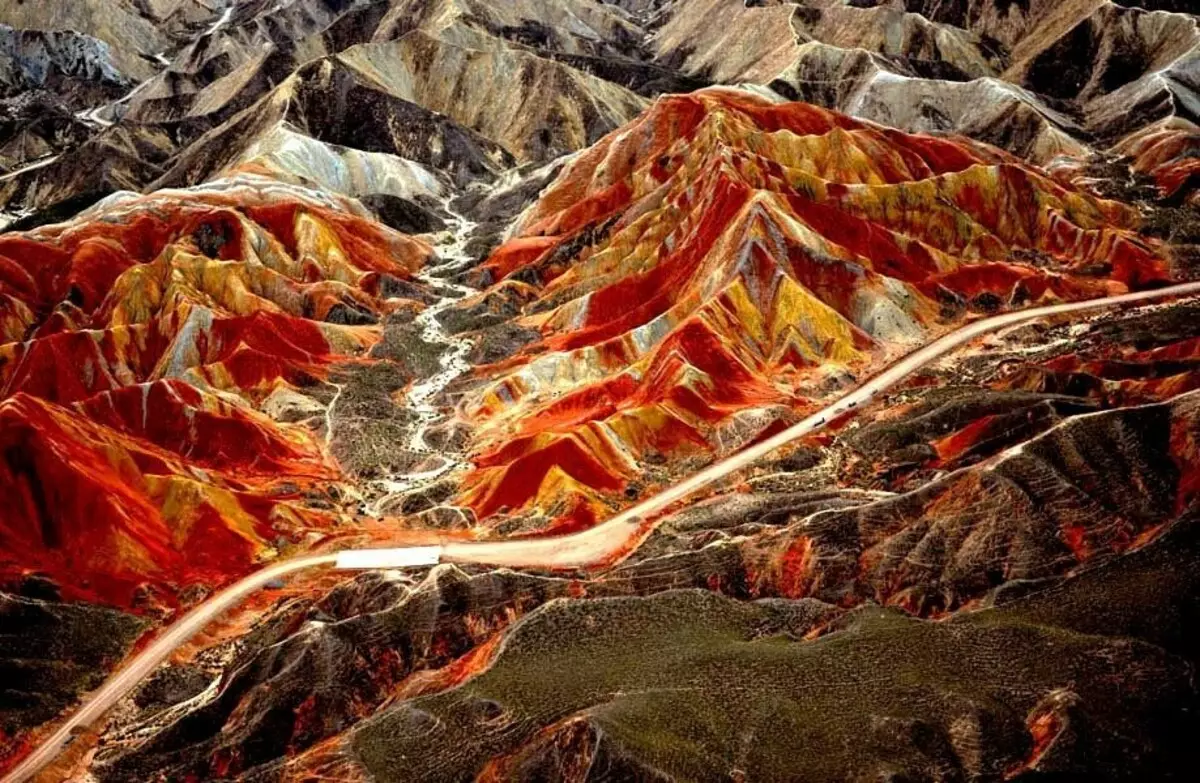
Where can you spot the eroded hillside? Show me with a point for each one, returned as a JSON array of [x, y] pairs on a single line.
[[289, 278]]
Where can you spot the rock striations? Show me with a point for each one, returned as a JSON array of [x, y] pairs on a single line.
[[134, 337], [287, 277], [725, 255]]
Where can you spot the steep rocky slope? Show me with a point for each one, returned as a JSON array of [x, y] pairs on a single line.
[[431, 67], [134, 336], [1065, 73], [786, 572], [725, 261], [985, 70], [77, 67], [127, 26], [289, 276]]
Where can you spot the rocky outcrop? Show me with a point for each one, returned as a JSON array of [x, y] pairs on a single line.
[[131, 34], [400, 79], [768, 247], [77, 67], [867, 85], [53, 651], [990, 70], [138, 341]]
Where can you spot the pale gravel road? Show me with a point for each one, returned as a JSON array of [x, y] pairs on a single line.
[[600, 545]]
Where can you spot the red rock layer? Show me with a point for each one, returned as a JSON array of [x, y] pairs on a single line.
[[136, 341], [702, 271], [1040, 509], [1120, 375], [1111, 372], [1171, 156]]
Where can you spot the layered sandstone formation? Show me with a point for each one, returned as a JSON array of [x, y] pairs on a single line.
[[139, 340], [712, 269], [289, 276], [1039, 78]]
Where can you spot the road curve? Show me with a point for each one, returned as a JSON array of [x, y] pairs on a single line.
[[604, 543], [127, 678]]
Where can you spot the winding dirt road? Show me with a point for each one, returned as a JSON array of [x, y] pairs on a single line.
[[124, 681], [604, 543]]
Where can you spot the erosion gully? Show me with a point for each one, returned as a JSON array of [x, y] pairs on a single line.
[[423, 398]]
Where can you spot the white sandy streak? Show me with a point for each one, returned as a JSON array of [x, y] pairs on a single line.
[[422, 397]]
